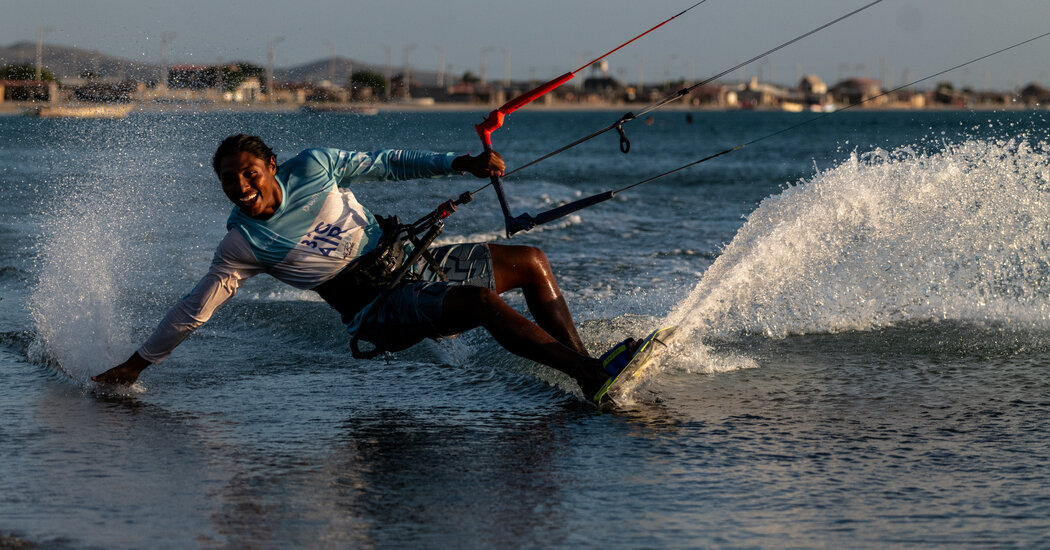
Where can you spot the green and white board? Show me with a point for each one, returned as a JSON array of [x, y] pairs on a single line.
[[653, 347]]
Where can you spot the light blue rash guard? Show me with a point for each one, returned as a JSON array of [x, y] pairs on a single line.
[[316, 231]]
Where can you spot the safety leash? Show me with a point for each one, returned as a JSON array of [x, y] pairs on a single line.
[[429, 226]]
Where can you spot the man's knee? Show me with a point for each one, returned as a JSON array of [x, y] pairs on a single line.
[[537, 260], [521, 266], [538, 277]]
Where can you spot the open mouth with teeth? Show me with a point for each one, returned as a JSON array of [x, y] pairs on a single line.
[[249, 199]]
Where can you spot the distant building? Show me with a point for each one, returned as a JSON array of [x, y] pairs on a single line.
[[811, 84], [757, 94], [812, 93], [599, 86], [291, 92], [910, 99], [326, 92], [605, 86], [28, 90], [992, 98], [1034, 94], [713, 95], [191, 77], [946, 95], [248, 91], [858, 90]]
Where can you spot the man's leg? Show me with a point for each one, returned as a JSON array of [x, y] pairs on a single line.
[[467, 307], [527, 268]]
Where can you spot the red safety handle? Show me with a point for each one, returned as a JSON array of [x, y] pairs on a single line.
[[495, 119], [445, 209]]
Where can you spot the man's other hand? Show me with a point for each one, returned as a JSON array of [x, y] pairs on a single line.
[[486, 165]]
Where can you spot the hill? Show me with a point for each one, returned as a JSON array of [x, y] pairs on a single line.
[[67, 62]]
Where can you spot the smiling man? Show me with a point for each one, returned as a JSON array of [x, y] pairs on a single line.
[[249, 182], [300, 223]]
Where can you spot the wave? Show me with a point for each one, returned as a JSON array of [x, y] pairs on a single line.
[[959, 233]]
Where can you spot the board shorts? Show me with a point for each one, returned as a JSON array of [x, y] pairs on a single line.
[[412, 312]]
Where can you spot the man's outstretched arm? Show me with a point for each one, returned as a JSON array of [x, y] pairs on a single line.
[[352, 167], [231, 265]]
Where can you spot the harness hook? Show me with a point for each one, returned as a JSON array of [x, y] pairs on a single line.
[[625, 144]]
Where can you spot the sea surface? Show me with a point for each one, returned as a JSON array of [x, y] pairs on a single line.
[[866, 363]]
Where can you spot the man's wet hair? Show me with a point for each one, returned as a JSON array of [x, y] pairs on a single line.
[[238, 143]]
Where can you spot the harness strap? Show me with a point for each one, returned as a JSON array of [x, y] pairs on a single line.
[[371, 277], [366, 277], [419, 252]]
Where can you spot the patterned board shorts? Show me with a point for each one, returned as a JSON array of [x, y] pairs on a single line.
[[412, 312]]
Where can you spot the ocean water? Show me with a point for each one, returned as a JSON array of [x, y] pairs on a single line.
[[865, 302]]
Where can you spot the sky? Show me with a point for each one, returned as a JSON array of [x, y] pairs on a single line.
[[895, 41]]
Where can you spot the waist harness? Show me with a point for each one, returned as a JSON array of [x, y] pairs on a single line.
[[385, 267], [374, 275]]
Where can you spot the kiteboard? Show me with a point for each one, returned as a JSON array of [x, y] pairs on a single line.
[[648, 355]]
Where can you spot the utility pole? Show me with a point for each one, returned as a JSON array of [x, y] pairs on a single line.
[[441, 67], [331, 61], [406, 71], [350, 76], [482, 75], [667, 68], [386, 90], [269, 68], [641, 73], [40, 51], [219, 82], [164, 39], [506, 67]]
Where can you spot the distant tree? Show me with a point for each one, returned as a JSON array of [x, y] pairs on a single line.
[[250, 70], [469, 78], [233, 75], [946, 86], [368, 79], [89, 74], [23, 72]]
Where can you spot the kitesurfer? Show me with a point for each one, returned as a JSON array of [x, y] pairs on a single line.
[[300, 223]]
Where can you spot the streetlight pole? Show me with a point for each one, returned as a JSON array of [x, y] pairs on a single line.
[[40, 51], [220, 83], [331, 61], [407, 71], [164, 70], [441, 67], [641, 73], [269, 68], [667, 68], [506, 67], [386, 89], [484, 50]]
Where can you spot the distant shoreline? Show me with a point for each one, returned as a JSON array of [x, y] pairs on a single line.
[[27, 108]]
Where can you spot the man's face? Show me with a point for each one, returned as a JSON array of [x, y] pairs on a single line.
[[249, 183]]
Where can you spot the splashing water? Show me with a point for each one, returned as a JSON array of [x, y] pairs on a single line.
[[116, 196], [73, 305], [889, 237]]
